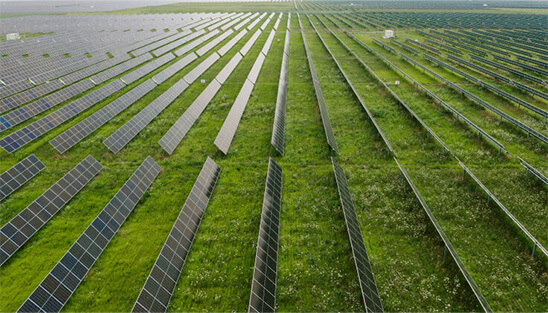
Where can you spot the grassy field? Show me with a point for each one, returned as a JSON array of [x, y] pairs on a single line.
[[316, 272]]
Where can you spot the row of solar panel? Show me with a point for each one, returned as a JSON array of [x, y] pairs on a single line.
[[368, 286], [326, 121], [278, 128], [55, 290], [263, 285], [24, 225], [160, 283], [147, 68], [195, 43]]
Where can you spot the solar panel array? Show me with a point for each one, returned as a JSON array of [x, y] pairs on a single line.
[[278, 129], [326, 121], [24, 225], [161, 281], [263, 286], [55, 290], [19, 174], [368, 286], [129, 130], [25, 135], [228, 130], [76, 133], [32, 109]]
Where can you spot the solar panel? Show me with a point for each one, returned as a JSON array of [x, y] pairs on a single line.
[[203, 50], [370, 294], [19, 174], [76, 133], [177, 132], [174, 68], [129, 130], [224, 49], [161, 281], [254, 72], [229, 68], [201, 68], [245, 49], [145, 69], [16, 232], [55, 290], [278, 129], [263, 286], [326, 121], [27, 134], [228, 130], [268, 43]]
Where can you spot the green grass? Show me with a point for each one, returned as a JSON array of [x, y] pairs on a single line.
[[315, 267]]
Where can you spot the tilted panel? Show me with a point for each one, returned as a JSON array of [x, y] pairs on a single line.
[[177, 132], [201, 68], [263, 286], [278, 129], [161, 281], [174, 68], [55, 290], [228, 130], [24, 225], [19, 174], [326, 121], [370, 294]]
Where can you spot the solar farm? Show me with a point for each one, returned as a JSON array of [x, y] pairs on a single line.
[[262, 156]]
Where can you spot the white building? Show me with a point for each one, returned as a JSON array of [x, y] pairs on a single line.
[[388, 33]]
